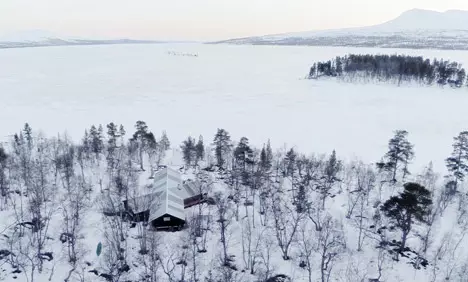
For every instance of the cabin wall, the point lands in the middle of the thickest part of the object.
(173, 222)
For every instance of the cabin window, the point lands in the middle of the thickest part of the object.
(166, 218)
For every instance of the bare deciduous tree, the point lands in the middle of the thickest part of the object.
(286, 224)
(223, 215)
(330, 244)
(251, 243)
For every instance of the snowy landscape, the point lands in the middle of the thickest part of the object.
(307, 178)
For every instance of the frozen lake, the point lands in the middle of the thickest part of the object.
(253, 91)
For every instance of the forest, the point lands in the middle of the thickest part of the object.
(276, 215)
(392, 68)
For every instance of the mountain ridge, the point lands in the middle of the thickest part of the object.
(44, 38)
(416, 28)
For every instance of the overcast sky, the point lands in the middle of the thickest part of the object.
(201, 19)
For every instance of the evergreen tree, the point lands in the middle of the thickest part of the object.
(151, 143)
(400, 153)
(457, 163)
(140, 139)
(263, 159)
(122, 133)
(189, 151)
(101, 134)
(96, 142)
(243, 153)
(301, 200)
(266, 157)
(112, 135)
(413, 204)
(461, 77)
(330, 176)
(164, 142)
(28, 135)
(200, 150)
(290, 162)
(85, 144)
(3, 168)
(332, 168)
(222, 146)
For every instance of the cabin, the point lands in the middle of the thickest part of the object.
(163, 208)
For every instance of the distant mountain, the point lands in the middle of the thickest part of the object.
(413, 29)
(28, 35)
(41, 38)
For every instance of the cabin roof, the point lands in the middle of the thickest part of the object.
(169, 193)
(168, 183)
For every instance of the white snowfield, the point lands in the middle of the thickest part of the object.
(253, 91)
(258, 92)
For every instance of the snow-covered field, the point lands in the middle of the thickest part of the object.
(256, 91)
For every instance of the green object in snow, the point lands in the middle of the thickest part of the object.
(99, 249)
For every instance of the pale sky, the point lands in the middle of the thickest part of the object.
(201, 19)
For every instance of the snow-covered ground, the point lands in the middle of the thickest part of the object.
(259, 92)
(256, 91)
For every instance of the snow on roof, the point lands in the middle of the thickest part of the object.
(168, 185)
(166, 179)
(191, 188)
(167, 197)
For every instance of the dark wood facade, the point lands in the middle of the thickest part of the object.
(168, 222)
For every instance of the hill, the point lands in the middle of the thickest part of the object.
(412, 29)
(43, 38)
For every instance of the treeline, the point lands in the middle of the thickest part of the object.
(396, 68)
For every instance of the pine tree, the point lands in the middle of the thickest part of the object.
(3, 168)
(332, 168)
(164, 142)
(339, 66)
(28, 135)
(151, 143)
(457, 163)
(400, 153)
(222, 146)
(85, 144)
(200, 150)
(330, 176)
(290, 162)
(243, 153)
(269, 156)
(301, 200)
(140, 138)
(112, 135)
(263, 159)
(266, 157)
(96, 141)
(189, 151)
(413, 204)
(461, 77)
(122, 133)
